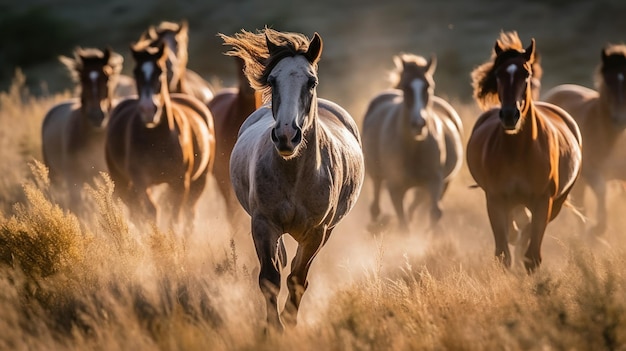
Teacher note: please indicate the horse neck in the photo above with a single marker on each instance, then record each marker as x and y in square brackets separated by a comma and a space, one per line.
[167, 107]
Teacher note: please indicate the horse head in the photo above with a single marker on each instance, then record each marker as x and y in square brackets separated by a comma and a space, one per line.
[293, 81]
[513, 72]
[151, 76]
[176, 37]
[417, 84]
[613, 76]
[96, 72]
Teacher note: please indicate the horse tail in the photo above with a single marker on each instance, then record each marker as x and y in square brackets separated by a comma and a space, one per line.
[575, 210]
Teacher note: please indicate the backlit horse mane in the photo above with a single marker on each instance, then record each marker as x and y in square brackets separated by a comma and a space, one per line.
[405, 62]
[253, 49]
[484, 78]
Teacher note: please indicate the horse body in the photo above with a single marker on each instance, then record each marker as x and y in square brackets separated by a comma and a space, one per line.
[297, 166]
[230, 108]
[404, 156]
[523, 153]
[73, 131]
[159, 138]
[601, 116]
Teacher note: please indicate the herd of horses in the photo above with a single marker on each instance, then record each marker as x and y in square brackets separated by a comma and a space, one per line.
[296, 163]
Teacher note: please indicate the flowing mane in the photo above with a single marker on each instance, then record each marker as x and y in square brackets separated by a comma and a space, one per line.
[483, 76]
[76, 64]
[615, 55]
[252, 49]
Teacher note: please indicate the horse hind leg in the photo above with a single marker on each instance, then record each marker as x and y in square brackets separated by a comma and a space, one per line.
[397, 197]
[377, 223]
[541, 215]
[297, 282]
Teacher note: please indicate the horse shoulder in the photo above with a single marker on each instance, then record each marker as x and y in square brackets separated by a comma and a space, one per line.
[558, 116]
[334, 111]
[448, 112]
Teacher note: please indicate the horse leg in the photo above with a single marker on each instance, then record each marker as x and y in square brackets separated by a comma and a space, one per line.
[499, 218]
[436, 189]
[265, 236]
[397, 197]
[598, 186]
[418, 199]
[577, 196]
[541, 214]
[297, 281]
[375, 206]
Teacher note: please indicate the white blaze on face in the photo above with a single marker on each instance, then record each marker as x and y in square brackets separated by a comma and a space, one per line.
[511, 70]
[418, 86]
[93, 75]
[147, 68]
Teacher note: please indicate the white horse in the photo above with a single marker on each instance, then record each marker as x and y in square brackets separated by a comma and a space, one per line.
[297, 166]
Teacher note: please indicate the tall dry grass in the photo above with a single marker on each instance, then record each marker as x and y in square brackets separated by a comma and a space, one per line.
[103, 284]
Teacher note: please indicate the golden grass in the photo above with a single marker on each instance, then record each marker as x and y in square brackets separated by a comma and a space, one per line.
[102, 284]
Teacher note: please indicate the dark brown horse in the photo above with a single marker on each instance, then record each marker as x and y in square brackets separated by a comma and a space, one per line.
[522, 153]
[601, 116]
[412, 139]
[73, 131]
[297, 166]
[230, 108]
[159, 138]
[180, 79]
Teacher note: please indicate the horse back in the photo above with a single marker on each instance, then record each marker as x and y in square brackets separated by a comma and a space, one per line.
[577, 100]
[196, 86]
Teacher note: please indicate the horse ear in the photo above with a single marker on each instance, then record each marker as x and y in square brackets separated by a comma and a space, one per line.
[68, 62]
[106, 54]
[315, 48]
[604, 54]
[432, 64]
[529, 54]
[397, 61]
[271, 47]
[183, 28]
[497, 48]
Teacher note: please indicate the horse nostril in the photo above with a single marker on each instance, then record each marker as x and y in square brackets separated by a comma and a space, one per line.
[298, 137]
[274, 137]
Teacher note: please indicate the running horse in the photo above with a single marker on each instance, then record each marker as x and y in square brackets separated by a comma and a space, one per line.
[412, 139]
[159, 138]
[297, 166]
[524, 154]
[230, 108]
[180, 79]
[601, 115]
[73, 131]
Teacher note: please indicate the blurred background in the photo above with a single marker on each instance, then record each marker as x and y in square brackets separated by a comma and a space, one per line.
[360, 37]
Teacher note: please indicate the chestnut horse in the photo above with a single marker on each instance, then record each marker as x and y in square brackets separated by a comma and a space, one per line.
[180, 79]
[524, 154]
[230, 108]
[73, 132]
[159, 138]
[601, 116]
[412, 139]
[297, 167]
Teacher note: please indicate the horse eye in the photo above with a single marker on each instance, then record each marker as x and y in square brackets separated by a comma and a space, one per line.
[271, 81]
[312, 83]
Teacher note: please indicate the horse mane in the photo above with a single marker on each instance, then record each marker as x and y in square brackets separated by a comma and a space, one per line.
[252, 49]
[403, 60]
[181, 31]
[75, 65]
[484, 78]
[615, 56]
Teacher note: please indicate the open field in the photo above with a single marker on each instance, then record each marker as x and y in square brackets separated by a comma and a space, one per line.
[105, 285]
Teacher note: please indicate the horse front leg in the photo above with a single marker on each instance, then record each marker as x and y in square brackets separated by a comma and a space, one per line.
[396, 193]
[297, 282]
[598, 186]
[541, 212]
[265, 236]
[498, 211]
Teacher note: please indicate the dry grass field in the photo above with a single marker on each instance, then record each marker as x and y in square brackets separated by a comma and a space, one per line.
[102, 284]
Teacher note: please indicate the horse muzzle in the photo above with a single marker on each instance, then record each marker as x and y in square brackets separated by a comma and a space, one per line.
[418, 129]
[287, 143]
[509, 118]
[95, 117]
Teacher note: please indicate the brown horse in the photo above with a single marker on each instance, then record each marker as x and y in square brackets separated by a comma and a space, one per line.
[523, 154]
[230, 108]
[297, 166]
[412, 139]
[73, 131]
[180, 78]
[601, 116]
[159, 138]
